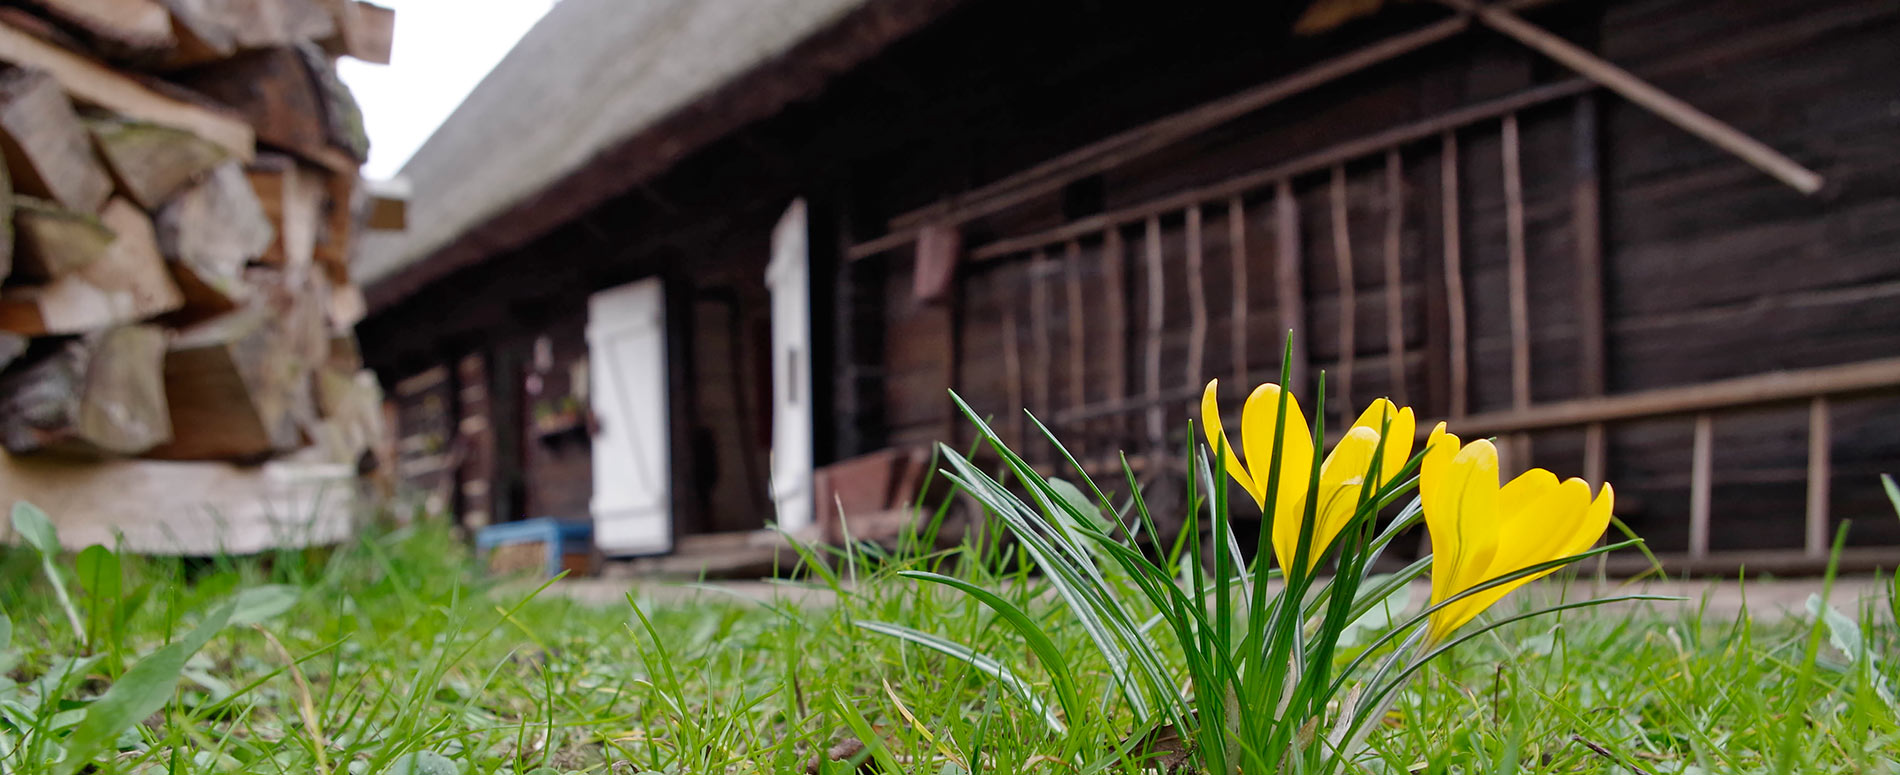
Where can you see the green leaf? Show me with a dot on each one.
(1039, 641)
(983, 664)
(261, 604)
(424, 763)
(1893, 491)
(1842, 632)
(142, 691)
(6, 631)
(861, 727)
(98, 571)
(33, 526)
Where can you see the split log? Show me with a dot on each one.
(100, 394)
(91, 83)
(152, 162)
(363, 30)
(208, 233)
(118, 29)
(227, 398)
(54, 241)
(388, 207)
(47, 149)
(127, 284)
(333, 241)
(295, 101)
(292, 197)
(351, 404)
(213, 30)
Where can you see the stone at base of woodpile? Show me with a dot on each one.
(197, 509)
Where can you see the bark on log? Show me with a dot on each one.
(47, 150)
(213, 30)
(209, 233)
(118, 29)
(54, 241)
(292, 97)
(127, 284)
(152, 162)
(100, 394)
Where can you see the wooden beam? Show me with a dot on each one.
(1324, 159)
(1342, 261)
(1873, 376)
(90, 82)
(1820, 465)
(1197, 300)
(1663, 104)
(1107, 153)
(1518, 270)
(1157, 299)
(1289, 287)
(1454, 275)
(1395, 273)
(1237, 257)
(1701, 482)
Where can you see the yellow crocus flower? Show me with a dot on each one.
(1481, 531)
(1341, 475)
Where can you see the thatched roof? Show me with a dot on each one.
(601, 95)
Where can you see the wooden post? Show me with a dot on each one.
(1157, 419)
(1518, 271)
(1394, 273)
(1040, 357)
(1237, 256)
(1586, 223)
(1342, 260)
(1077, 323)
(1013, 369)
(1117, 305)
(1820, 462)
(1454, 276)
(1289, 288)
(1701, 474)
(1197, 300)
(1634, 89)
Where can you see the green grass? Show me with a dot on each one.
(406, 660)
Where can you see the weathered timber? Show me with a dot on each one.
(99, 394)
(47, 149)
(208, 233)
(120, 29)
(292, 197)
(52, 241)
(1237, 257)
(1518, 269)
(1197, 299)
(1395, 274)
(333, 239)
(1820, 471)
(293, 99)
(1342, 259)
(127, 284)
(1454, 275)
(364, 31)
(1289, 283)
(152, 162)
(91, 83)
(228, 394)
(12, 346)
(212, 30)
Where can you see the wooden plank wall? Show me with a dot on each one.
(1703, 268)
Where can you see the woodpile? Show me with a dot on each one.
(179, 191)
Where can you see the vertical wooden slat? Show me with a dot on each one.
(1460, 377)
(1342, 260)
(1595, 454)
(1116, 304)
(1587, 223)
(1701, 476)
(1289, 286)
(1041, 364)
(1237, 256)
(1518, 271)
(1820, 469)
(1013, 366)
(1157, 297)
(1394, 273)
(1077, 321)
(1197, 300)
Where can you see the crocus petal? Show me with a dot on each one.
(1461, 512)
(1537, 534)
(1259, 426)
(1398, 436)
(1217, 438)
(1340, 480)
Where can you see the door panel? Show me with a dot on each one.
(788, 276)
(626, 342)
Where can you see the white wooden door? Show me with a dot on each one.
(788, 277)
(626, 346)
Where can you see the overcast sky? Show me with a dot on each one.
(442, 50)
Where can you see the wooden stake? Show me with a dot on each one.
(1342, 259)
(1237, 256)
(1394, 273)
(1701, 474)
(1289, 289)
(1454, 275)
(1157, 298)
(1595, 454)
(1634, 89)
(1197, 300)
(1820, 460)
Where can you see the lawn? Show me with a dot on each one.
(394, 654)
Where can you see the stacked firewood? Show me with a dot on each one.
(175, 223)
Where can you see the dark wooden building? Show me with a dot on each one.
(1650, 241)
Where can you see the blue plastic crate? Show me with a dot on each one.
(560, 537)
